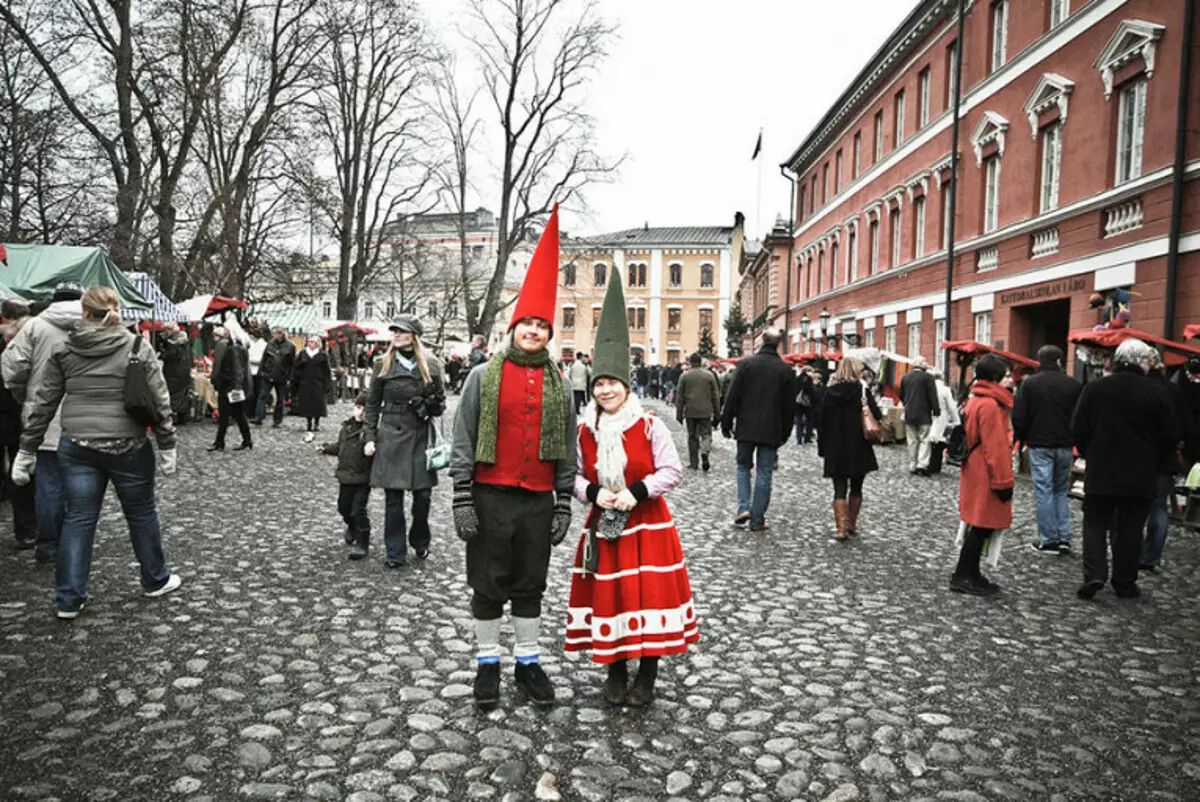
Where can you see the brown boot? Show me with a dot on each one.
(852, 515)
(840, 515)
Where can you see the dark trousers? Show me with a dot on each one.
(972, 550)
(51, 508)
(281, 394)
(1115, 521)
(352, 506)
(508, 559)
(699, 431)
(580, 400)
(23, 502)
(804, 428)
(847, 485)
(227, 409)
(395, 526)
(262, 390)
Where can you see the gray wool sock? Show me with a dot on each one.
(526, 631)
(487, 639)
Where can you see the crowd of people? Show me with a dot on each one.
(88, 397)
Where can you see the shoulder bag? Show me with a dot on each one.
(141, 403)
(872, 431)
(437, 456)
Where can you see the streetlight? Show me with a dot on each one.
(824, 318)
(804, 322)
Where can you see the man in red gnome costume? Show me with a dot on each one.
(513, 467)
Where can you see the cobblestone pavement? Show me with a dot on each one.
(825, 671)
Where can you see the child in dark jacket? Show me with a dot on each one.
(354, 478)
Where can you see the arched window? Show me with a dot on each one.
(601, 275)
(676, 270)
(706, 276)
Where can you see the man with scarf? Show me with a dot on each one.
(513, 467)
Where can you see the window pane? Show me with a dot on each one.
(852, 256)
(889, 339)
(946, 216)
(878, 136)
(991, 195)
(857, 153)
(894, 223)
(899, 135)
(914, 340)
(999, 33)
(874, 247)
(919, 227)
(1051, 156)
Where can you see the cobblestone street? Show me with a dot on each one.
(825, 671)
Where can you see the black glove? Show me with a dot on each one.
(562, 518)
(466, 522)
(1004, 495)
(679, 416)
(726, 432)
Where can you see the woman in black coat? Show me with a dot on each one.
(849, 456)
(177, 369)
(311, 380)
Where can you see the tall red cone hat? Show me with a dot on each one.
(539, 293)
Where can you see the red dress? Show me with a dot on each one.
(639, 601)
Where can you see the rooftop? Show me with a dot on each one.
(647, 237)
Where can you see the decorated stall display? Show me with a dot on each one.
(1095, 348)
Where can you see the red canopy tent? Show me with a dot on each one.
(342, 332)
(1191, 332)
(977, 349)
(1108, 339)
(811, 356)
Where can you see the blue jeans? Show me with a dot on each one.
(86, 474)
(262, 391)
(1156, 523)
(51, 508)
(1051, 469)
(762, 458)
(395, 526)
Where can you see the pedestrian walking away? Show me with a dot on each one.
(279, 359)
(842, 442)
(176, 356)
(406, 394)
(354, 479)
(1042, 422)
(805, 398)
(102, 443)
(918, 393)
(759, 412)
(630, 595)
(698, 406)
(945, 421)
(256, 404)
(578, 374)
(311, 379)
(1155, 539)
(986, 482)
(1125, 428)
(233, 384)
(513, 467)
(14, 317)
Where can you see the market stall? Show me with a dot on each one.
(33, 271)
(161, 311)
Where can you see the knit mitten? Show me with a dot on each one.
(562, 518)
(466, 522)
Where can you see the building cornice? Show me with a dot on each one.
(1131, 39)
(1052, 90)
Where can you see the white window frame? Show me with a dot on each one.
(919, 227)
(857, 153)
(999, 34)
(895, 222)
(821, 272)
(390, 308)
(898, 104)
(873, 232)
(825, 184)
(946, 216)
(914, 332)
(923, 80)
(991, 193)
(1051, 166)
(837, 173)
(327, 310)
(878, 136)
(368, 310)
(852, 256)
(671, 282)
(712, 273)
(1059, 11)
(951, 82)
(983, 327)
(889, 339)
(939, 337)
(1131, 129)
(869, 338)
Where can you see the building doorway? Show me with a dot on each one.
(1041, 324)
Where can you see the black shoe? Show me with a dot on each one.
(358, 551)
(349, 536)
(256, 422)
(693, 467)
(244, 447)
(26, 543)
(741, 519)
(43, 557)
(971, 586)
(216, 447)
(1088, 590)
(988, 583)
(1064, 549)
(487, 685)
(616, 685)
(422, 554)
(642, 692)
(762, 527)
(535, 683)
(394, 563)
(1150, 569)
(704, 464)
(1051, 547)
(1130, 591)
(276, 425)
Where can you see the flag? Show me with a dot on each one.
(757, 146)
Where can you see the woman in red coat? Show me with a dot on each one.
(986, 486)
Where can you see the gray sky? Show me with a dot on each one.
(690, 82)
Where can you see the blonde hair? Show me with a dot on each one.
(849, 370)
(385, 366)
(102, 305)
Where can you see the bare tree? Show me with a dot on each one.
(375, 61)
(537, 59)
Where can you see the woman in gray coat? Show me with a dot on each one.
(406, 395)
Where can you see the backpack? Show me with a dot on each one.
(141, 402)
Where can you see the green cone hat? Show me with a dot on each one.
(611, 358)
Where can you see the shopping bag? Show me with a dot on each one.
(437, 456)
(1193, 478)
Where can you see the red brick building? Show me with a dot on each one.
(1067, 154)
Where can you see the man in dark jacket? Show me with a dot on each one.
(233, 384)
(1042, 421)
(14, 314)
(759, 411)
(176, 355)
(805, 407)
(698, 401)
(478, 353)
(918, 393)
(279, 358)
(1156, 522)
(1125, 427)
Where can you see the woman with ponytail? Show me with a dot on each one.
(406, 395)
(102, 443)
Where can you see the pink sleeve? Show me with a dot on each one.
(581, 482)
(668, 469)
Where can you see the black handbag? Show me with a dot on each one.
(141, 403)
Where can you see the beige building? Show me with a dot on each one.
(679, 282)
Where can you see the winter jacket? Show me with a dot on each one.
(804, 391)
(1171, 464)
(698, 395)
(760, 407)
(400, 437)
(87, 375)
(279, 359)
(988, 467)
(176, 356)
(579, 374)
(27, 356)
(1044, 405)
(311, 380)
(947, 413)
(1125, 427)
(918, 393)
(1190, 390)
(10, 409)
(231, 368)
(840, 437)
(353, 465)
(478, 357)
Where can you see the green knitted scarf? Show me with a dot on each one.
(552, 446)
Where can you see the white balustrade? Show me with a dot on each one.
(1045, 242)
(1123, 217)
(987, 259)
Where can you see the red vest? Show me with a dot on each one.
(519, 433)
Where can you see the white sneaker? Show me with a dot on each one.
(70, 615)
(308, 437)
(173, 583)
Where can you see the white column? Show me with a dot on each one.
(654, 313)
(725, 270)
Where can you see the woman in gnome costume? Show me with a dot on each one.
(513, 466)
(630, 595)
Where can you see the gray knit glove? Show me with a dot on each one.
(466, 522)
(562, 518)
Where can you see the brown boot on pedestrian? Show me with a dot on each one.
(855, 504)
(840, 515)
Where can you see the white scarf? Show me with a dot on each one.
(610, 439)
(312, 352)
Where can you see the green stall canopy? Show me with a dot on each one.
(33, 271)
